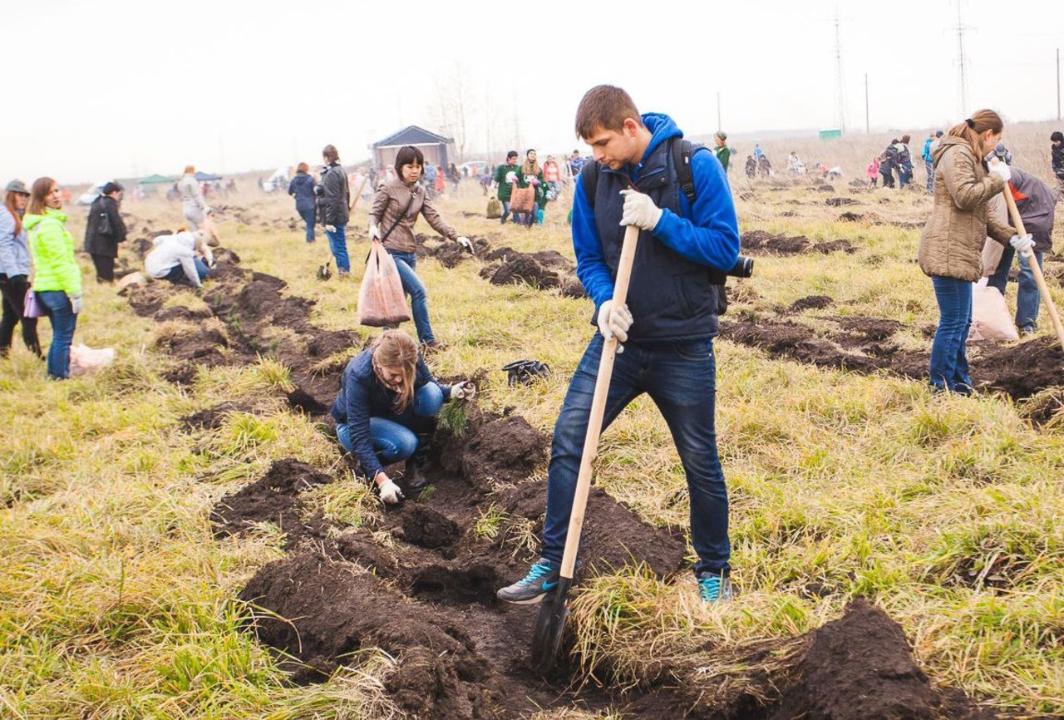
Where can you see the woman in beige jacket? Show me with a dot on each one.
(396, 207)
(952, 241)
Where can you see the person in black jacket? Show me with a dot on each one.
(104, 229)
(1056, 149)
(334, 207)
(302, 189)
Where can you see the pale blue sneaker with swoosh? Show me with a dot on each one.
(542, 577)
(714, 588)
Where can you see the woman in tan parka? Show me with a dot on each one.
(952, 242)
(396, 207)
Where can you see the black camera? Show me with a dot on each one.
(744, 267)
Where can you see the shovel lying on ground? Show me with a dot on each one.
(1036, 270)
(550, 626)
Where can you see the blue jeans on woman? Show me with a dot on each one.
(419, 298)
(178, 277)
(64, 320)
(949, 359)
(308, 219)
(392, 438)
(681, 380)
(338, 245)
(1028, 297)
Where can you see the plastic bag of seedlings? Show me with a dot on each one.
(990, 315)
(85, 360)
(380, 299)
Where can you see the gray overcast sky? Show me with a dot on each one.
(132, 87)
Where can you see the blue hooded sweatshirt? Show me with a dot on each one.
(670, 275)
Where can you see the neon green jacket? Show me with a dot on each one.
(52, 249)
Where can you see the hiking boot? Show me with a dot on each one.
(715, 587)
(1027, 330)
(413, 478)
(542, 577)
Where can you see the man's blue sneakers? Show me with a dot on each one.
(713, 587)
(542, 577)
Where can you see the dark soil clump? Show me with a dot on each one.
(213, 417)
(759, 241)
(271, 498)
(522, 269)
(851, 217)
(840, 201)
(830, 246)
(811, 302)
(493, 450)
(428, 528)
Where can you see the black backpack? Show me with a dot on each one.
(681, 151)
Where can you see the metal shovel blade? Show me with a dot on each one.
(550, 628)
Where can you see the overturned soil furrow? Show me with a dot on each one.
(419, 583)
(862, 345)
(759, 242)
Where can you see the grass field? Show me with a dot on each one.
(117, 602)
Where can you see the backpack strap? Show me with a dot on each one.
(681, 150)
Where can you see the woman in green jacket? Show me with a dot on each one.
(57, 279)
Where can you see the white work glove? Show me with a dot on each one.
(614, 320)
(330, 228)
(640, 210)
(1001, 170)
(464, 390)
(511, 177)
(208, 210)
(76, 304)
(374, 232)
(389, 492)
(1022, 244)
(464, 242)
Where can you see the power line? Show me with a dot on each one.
(961, 62)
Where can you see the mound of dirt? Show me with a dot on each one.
(336, 610)
(428, 528)
(857, 667)
(760, 242)
(851, 217)
(840, 201)
(811, 302)
(213, 417)
(202, 344)
(149, 299)
(492, 450)
(179, 312)
(521, 268)
(271, 498)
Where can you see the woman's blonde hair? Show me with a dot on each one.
(976, 125)
(395, 350)
(190, 170)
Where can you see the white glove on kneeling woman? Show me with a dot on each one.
(389, 492)
(614, 320)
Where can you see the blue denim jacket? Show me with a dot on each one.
(14, 249)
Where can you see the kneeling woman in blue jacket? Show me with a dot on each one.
(386, 393)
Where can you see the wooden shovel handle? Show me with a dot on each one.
(598, 409)
(1036, 270)
(358, 194)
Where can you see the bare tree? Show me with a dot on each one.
(450, 110)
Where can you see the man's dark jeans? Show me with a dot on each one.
(1028, 296)
(681, 380)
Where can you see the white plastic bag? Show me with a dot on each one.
(85, 360)
(991, 319)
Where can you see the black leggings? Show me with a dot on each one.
(105, 268)
(14, 296)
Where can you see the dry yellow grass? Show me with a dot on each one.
(116, 601)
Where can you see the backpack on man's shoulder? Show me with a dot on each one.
(682, 151)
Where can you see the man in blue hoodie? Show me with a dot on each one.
(668, 322)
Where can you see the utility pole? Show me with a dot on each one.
(867, 124)
(720, 125)
(961, 62)
(840, 98)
